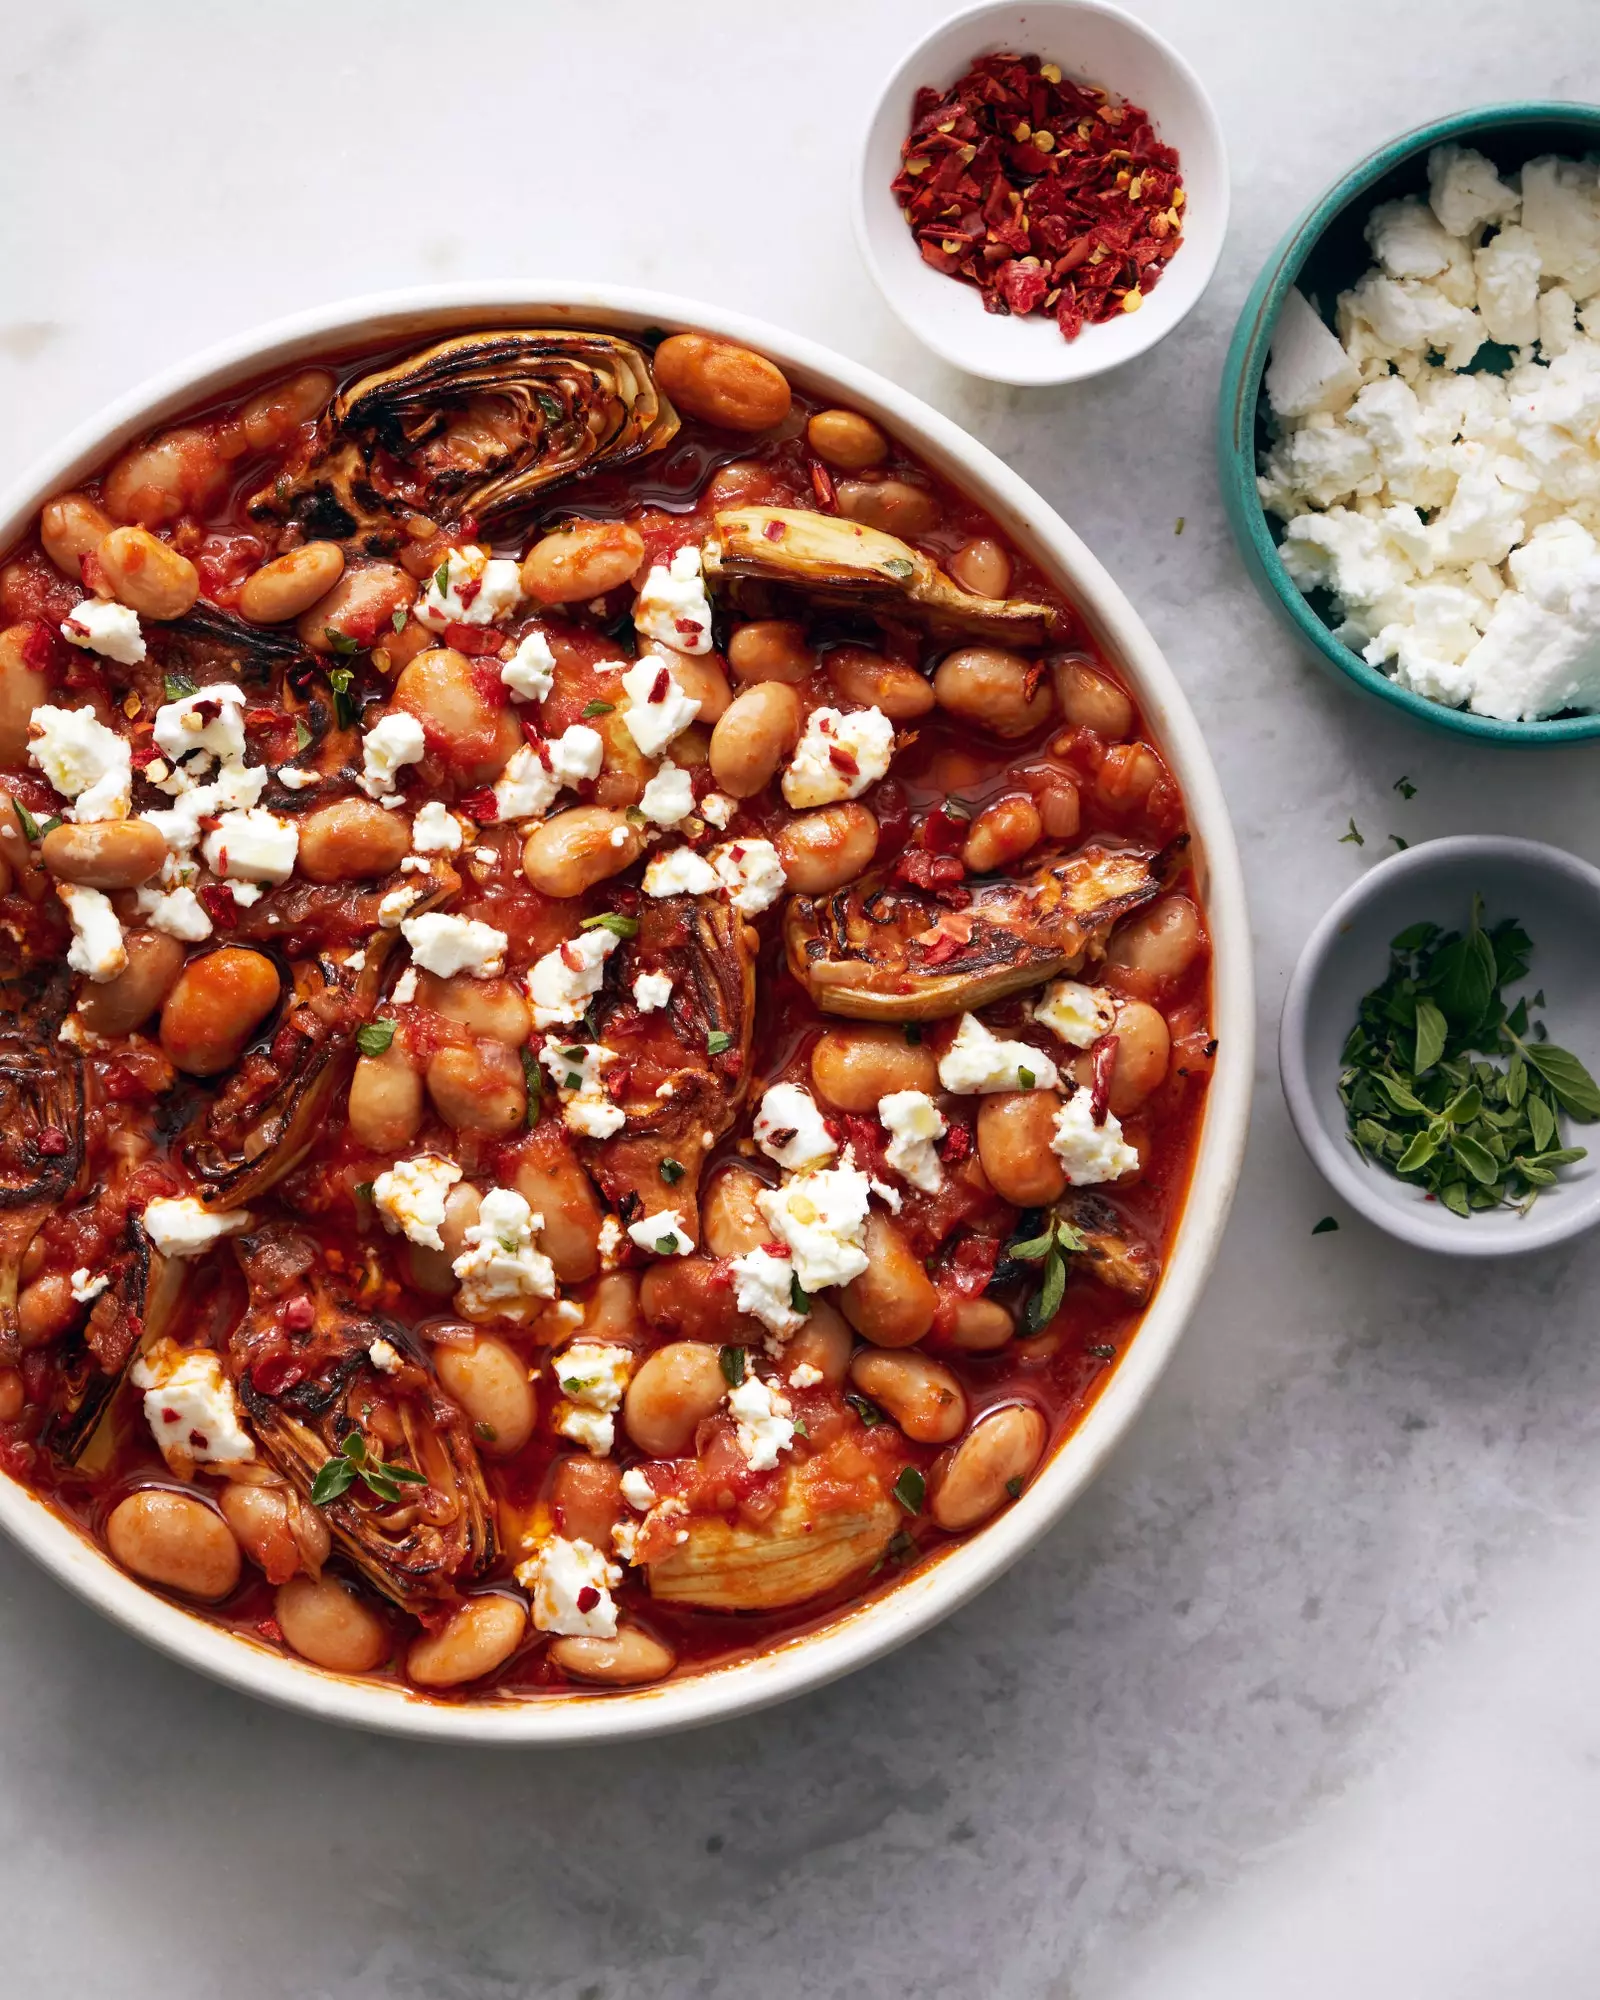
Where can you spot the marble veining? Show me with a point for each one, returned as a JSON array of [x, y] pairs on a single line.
[[1299, 1700]]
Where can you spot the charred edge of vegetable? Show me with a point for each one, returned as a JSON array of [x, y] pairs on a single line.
[[265, 648], [42, 1090]]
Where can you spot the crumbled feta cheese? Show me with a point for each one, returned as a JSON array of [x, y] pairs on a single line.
[[716, 808], [445, 945], [1465, 192], [978, 1061], [575, 1069], [178, 912], [1080, 1015], [436, 830], [190, 1407], [751, 873], [663, 1234], [804, 1376], [679, 871], [637, 1490], [669, 796], [530, 672], [569, 1586], [790, 1129], [764, 1417], [502, 1273], [1309, 370], [763, 1285], [593, 1378], [294, 779], [393, 740], [564, 981], [536, 772], [410, 1197], [652, 991], [392, 908], [209, 720], [84, 760], [111, 630], [405, 987], [86, 1286], [1087, 1151], [477, 589], [385, 1357], [672, 607], [1561, 212], [658, 709], [256, 846], [914, 1124], [1540, 651], [610, 1243], [1507, 269], [822, 1215], [838, 756], [97, 949], [183, 1226], [1409, 241]]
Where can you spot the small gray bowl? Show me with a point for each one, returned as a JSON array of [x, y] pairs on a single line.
[[1557, 899]]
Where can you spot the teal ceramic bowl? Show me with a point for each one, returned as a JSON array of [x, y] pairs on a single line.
[[1325, 253]]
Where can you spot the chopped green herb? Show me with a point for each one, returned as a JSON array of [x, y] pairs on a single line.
[[609, 920], [732, 1359], [868, 1412], [552, 406], [441, 578], [799, 1299], [671, 1172], [1405, 788], [1446, 1086], [598, 708], [302, 735], [1400, 845], [801, 1429], [718, 1041], [1178, 530], [352, 1462], [375, 1037], [1057, 1242], [30, 826], [363, 1190], [398, 619], [534, 1082], [340, 642], [344, 709], [176, 686], [1014, 1485], [898, 566], [1355, 834], [901, 1547], [667, 1246], [1025, 1076], [1326, 1226], [909, 1489]]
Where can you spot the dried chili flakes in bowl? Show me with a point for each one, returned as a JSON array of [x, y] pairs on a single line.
[[1048, 195]]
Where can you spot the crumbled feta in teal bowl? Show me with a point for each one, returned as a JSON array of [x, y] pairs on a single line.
[[1419, 493]]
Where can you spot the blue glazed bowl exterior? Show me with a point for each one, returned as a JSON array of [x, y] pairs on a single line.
[[1325, 252]]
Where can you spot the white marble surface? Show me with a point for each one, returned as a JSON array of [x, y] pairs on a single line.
[[1300, 1700]]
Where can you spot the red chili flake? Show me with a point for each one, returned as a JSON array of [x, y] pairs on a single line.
[[38, 646], [588, 1597], [263, 718], [298, 1315], [199, 1441], [923, 870], [690, 627], [945, 832], [168, 1414], [469, 591], [270, 1630], [277, 1372], [822, 487], [216, 899], [1047, 195], [662, 681], [480, 806], [842, 760], [955, 1145], [775, 530], [943, 947], [52, 1142], [1103, 1055]]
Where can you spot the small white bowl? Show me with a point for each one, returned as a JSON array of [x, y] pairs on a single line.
[[1556, 897], [1093, 43]]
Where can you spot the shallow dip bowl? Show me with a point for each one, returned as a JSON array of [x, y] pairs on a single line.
[[1323, 254], [855, 1637], [1556, 898]]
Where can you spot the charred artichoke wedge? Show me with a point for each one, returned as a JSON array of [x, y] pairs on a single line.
[[309, 1391], [883, 951], [804, 1548], [137, 1309], [709, 951], [474, 425], [41, 1124], [826, 556], [1112, 1250]]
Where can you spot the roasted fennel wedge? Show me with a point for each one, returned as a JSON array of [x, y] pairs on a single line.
[[862, 568], [418, 1521], [883, 950]]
